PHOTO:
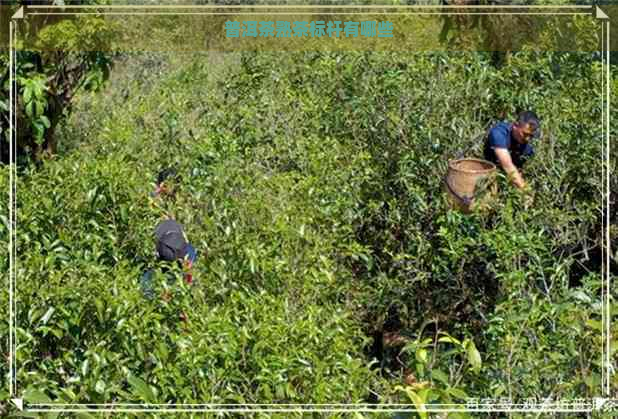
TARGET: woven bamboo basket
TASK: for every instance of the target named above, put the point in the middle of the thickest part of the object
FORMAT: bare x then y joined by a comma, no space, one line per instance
470,182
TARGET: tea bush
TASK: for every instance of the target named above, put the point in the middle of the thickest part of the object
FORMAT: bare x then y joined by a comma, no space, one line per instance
331,267
417,259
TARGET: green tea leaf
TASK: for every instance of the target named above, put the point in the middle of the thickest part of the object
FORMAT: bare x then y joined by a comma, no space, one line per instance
36,396
45,121
474,357
141,388
85,366
27,94
456,392
100,387
439,376
419,403
47,315
421,355
449,339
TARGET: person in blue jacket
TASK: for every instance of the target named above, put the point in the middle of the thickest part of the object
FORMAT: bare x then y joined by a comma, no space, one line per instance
166,179
171,246
508,145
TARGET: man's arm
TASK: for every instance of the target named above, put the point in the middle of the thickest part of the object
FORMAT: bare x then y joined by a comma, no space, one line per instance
504,157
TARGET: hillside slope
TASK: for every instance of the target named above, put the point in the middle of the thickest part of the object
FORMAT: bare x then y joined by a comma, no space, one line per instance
311,186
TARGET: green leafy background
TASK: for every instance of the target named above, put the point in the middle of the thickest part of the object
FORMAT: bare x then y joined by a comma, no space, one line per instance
332,268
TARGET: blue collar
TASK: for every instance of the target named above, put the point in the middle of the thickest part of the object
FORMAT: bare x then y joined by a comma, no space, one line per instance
191,253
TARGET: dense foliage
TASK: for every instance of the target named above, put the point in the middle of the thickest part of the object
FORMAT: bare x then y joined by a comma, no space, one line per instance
63,55
413,260
331,267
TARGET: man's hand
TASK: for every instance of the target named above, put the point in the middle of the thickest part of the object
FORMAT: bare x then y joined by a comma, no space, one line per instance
526,195
528,198
504,157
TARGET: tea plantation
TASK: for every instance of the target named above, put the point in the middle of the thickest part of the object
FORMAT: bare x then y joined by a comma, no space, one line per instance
331,268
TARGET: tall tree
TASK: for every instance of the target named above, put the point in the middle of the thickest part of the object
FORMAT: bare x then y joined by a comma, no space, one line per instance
55,57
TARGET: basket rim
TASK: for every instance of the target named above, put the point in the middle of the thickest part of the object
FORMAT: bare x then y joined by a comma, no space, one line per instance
472,171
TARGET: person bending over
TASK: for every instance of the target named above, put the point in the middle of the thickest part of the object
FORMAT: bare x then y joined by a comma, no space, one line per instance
508,145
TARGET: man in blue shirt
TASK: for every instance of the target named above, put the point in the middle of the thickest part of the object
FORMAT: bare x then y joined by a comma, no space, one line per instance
507,145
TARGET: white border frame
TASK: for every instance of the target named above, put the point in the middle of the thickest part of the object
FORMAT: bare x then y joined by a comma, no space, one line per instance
579,405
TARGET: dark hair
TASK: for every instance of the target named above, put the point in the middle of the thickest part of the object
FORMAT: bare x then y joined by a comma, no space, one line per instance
165,174
528,117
